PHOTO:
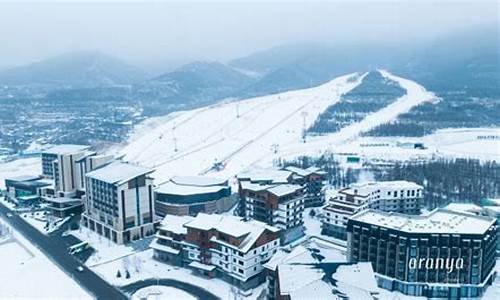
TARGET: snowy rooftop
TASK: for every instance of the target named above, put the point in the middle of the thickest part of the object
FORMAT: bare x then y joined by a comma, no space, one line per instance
269,175
284,189
437,221
62,200
464,208
302,274
175,223
304,172
276,189
247,185
367,188
299,171
201,181
66,149
118,172
233,226
176,189
86,154
24,178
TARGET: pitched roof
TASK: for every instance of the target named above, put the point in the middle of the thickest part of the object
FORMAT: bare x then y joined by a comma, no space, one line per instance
284,189
234,226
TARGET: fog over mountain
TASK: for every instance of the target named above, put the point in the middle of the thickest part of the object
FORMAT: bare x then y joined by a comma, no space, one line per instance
158,37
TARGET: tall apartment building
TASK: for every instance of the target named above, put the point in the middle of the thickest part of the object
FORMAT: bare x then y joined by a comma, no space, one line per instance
396,196
277,205
443,254
59,163
119,202
87,163
215,245
311,179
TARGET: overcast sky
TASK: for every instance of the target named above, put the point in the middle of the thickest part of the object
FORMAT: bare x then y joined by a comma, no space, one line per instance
154,35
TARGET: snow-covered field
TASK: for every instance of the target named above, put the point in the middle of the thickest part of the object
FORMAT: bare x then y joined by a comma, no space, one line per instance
39,221
234,134
256,131
161,292
141,266
465,143
105,249
26,273
25,166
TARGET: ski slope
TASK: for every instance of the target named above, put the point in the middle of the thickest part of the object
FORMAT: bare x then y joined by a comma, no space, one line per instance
250,132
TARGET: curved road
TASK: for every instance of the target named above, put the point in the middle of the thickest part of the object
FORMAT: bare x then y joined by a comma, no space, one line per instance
58,254
194,290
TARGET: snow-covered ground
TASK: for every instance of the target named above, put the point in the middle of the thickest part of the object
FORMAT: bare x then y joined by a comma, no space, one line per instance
464,142
39,221
26,273
141,266
235,134
105,249
161,292
25,166
256,131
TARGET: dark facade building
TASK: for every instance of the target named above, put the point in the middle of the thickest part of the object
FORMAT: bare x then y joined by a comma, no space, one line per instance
190,195
277,205
312,180
443,254
25,189
119,202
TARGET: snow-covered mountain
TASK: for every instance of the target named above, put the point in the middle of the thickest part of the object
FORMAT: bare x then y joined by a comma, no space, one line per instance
197,82
237,135
82,69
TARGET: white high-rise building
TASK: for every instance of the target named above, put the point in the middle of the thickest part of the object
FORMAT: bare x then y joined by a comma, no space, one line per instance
119,202
390,196
59,163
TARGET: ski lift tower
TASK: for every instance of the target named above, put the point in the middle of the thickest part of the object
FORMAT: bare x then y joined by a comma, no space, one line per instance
304,115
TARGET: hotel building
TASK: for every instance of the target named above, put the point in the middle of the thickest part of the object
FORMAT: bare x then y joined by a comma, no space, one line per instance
119,202
443,254
392,196
59,163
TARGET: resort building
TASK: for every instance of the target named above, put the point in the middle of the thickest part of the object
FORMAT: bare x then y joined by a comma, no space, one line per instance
89,162
443,254
25,190
190,195
119,202
311,179
279,205
392,196
59,163
229,247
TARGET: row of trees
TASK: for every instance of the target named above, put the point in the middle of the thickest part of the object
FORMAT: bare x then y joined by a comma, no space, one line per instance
337,175
448,180
444,180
